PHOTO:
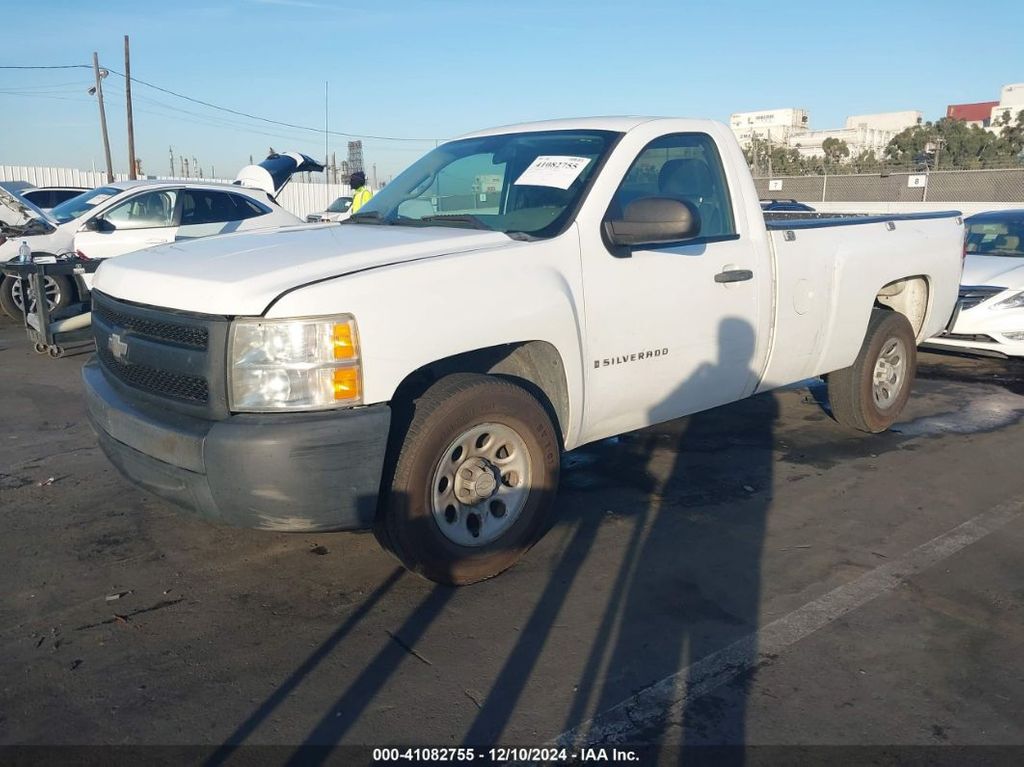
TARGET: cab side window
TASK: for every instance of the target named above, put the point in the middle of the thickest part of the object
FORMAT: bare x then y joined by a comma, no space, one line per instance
144,211
686,167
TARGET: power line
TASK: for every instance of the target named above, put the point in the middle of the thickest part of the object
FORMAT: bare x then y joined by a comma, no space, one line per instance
64,66
229,110
266,119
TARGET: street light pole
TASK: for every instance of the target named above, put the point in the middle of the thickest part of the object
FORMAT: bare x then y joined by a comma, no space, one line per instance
103,114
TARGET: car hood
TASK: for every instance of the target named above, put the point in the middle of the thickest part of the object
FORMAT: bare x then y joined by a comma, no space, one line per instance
242,274
1004,271
274,173
20,218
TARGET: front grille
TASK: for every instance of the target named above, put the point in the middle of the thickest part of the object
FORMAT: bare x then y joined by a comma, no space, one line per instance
163,357
175,333
162,383
972,295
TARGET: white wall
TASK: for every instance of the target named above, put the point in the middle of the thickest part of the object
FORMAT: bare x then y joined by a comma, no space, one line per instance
299,197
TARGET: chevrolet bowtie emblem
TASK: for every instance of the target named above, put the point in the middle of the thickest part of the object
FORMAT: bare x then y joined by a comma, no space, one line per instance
117,347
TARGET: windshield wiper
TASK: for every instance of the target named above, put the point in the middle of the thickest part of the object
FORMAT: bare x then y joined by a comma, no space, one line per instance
456,218
366,217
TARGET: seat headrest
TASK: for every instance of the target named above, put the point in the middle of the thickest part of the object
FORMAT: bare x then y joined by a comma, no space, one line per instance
685,176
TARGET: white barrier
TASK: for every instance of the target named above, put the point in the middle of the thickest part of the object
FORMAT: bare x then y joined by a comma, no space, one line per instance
299,197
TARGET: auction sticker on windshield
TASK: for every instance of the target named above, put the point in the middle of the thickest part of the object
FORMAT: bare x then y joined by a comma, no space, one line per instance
558,171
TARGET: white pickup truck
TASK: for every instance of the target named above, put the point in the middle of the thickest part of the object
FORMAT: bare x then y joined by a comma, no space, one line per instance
514,294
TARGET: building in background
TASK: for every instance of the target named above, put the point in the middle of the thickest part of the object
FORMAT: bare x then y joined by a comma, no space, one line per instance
1011,101
985,114
979,113
790,127
893,122
776,125
355,157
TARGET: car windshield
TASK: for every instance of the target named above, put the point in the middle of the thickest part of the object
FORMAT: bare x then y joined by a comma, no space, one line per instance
996,238
340,205
83,203
525,184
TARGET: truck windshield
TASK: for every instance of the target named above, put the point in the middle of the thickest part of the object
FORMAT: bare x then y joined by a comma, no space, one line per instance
83,203
996,238
517,183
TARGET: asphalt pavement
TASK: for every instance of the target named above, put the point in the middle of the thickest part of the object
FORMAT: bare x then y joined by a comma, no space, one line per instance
754,574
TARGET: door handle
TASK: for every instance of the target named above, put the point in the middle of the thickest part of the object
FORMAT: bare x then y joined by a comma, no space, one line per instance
734,275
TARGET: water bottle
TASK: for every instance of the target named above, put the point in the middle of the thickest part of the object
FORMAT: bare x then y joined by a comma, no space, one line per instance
25,253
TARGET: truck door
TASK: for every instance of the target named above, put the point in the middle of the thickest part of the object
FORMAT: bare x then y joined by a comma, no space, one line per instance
671,329
142,221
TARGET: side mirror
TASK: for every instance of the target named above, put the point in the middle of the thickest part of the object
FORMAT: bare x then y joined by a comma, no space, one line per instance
654,221
98,224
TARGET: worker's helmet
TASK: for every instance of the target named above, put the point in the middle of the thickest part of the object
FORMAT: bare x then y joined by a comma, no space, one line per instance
357,179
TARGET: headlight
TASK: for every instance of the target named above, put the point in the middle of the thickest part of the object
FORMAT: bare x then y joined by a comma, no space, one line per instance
1013,302
301,364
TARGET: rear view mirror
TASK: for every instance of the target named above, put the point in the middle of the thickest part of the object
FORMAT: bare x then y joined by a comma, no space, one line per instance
98,224
654,221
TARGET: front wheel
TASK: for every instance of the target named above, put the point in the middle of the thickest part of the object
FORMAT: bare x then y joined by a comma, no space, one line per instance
871,393
474,480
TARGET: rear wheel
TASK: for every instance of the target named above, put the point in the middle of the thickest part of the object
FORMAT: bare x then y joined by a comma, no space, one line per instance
58,295
474,480
870,394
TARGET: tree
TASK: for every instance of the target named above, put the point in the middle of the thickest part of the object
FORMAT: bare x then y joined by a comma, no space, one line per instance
835,150
947,144
1011,131
866,162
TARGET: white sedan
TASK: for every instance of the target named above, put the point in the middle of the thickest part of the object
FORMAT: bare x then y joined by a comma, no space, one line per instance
989,319
126,216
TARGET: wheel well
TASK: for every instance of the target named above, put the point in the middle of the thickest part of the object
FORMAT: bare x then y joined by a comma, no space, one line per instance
534,365
909,297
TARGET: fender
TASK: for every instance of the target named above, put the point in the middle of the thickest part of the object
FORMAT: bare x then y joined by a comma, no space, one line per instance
414,313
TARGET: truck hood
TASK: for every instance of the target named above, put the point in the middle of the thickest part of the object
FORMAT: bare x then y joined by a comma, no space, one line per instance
242,274
1004,271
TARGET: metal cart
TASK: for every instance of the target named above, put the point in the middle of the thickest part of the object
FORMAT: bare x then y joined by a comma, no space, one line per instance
52,332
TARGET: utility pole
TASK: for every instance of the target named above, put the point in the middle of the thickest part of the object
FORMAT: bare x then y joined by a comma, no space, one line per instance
170,150
184,165
103,115
132,172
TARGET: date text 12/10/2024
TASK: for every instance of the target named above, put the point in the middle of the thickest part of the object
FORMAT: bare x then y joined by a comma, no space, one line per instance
503,754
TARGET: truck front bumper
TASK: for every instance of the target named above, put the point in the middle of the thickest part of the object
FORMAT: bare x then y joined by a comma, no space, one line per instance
294,472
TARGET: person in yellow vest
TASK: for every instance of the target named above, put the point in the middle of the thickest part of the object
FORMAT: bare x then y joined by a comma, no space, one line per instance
361,193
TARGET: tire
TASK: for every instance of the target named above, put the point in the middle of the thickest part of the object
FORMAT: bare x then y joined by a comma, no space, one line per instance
870,394
58,288
475,446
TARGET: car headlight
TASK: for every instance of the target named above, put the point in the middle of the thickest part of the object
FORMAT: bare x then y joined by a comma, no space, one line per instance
311,363
1013,302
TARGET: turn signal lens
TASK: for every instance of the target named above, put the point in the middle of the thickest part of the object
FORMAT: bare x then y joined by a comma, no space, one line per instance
346,384
344,343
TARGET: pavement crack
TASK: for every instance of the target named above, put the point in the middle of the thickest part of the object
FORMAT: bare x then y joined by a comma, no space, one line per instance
409,649
123,618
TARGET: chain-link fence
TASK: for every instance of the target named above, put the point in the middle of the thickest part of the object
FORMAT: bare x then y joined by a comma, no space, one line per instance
1002,186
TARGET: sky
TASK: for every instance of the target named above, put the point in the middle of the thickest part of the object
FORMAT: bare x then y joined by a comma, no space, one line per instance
434,69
